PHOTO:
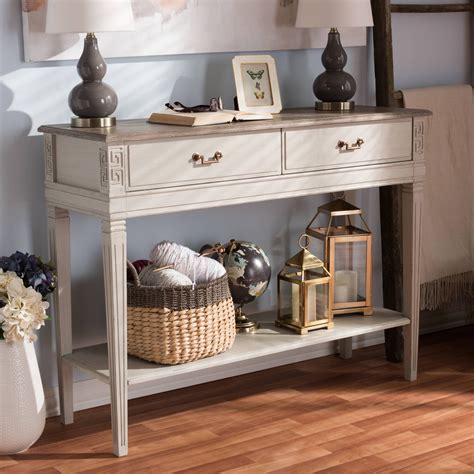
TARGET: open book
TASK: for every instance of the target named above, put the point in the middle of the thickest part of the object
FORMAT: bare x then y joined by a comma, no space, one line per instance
205,118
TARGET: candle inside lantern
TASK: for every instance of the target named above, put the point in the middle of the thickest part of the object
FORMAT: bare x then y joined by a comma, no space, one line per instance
295,302
345,286
311,303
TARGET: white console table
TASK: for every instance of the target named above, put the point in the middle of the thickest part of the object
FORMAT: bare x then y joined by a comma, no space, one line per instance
139,169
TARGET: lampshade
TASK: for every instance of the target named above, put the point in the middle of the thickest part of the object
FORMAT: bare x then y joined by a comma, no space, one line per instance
89,16
334,13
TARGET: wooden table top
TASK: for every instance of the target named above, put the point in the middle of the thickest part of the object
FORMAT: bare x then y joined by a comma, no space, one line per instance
127,131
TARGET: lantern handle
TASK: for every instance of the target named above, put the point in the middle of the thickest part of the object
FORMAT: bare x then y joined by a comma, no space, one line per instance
306,238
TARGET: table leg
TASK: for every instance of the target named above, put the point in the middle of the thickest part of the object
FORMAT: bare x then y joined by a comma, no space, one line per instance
412,200
345,348
114,245
60,255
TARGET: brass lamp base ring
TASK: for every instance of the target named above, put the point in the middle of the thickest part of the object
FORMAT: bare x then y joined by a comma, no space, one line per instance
334,106
95,122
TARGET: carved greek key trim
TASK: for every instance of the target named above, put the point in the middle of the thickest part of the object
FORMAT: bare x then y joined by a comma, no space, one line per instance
49,157
419,137
112,168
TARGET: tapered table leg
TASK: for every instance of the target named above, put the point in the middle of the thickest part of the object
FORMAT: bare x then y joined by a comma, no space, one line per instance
114,244
412,200
60,255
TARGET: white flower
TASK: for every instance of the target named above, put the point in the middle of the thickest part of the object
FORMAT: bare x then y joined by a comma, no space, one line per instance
24,311
6,278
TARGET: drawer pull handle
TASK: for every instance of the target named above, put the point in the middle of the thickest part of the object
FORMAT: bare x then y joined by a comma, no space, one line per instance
344,146
215,159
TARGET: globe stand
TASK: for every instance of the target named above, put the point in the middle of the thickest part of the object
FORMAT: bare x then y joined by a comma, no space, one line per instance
243,324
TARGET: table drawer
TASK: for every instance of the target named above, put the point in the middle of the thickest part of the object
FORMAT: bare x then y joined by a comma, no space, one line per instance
317,148
170,163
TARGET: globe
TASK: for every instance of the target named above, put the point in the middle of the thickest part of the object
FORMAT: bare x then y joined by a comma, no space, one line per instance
248,269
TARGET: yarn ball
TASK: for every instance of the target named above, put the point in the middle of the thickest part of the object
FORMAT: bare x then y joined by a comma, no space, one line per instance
217,256
187,261
168,277
139,266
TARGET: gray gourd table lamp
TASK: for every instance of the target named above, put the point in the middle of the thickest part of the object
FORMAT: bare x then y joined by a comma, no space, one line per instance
93,101
334,87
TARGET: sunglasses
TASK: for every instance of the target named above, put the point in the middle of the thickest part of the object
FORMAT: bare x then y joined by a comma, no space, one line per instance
215,104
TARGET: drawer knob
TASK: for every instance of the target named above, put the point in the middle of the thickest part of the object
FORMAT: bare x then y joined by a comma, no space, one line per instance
218,155
344,146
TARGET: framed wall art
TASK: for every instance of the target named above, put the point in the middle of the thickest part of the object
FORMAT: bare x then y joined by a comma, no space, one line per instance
169,27
256,82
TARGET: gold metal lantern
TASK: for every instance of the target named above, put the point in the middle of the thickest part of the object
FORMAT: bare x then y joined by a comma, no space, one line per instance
305,281
348,257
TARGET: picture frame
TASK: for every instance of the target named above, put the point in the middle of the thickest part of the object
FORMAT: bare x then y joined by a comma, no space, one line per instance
256,82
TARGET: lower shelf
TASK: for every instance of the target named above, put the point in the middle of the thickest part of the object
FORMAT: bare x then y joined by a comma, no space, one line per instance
269,347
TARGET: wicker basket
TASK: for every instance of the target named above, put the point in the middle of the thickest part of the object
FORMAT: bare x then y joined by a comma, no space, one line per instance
181,324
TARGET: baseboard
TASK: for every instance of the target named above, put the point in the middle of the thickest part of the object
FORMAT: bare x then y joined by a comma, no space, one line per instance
439,323
93,393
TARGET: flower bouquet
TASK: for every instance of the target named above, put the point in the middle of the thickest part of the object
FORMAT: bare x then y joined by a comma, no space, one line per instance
25,281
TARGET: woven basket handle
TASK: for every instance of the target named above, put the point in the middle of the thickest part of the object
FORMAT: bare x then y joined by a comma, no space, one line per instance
133,271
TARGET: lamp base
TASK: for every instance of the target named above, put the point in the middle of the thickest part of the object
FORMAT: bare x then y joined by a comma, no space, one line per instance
96,122
334,106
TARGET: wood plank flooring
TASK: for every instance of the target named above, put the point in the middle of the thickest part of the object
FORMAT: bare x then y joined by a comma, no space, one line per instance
325,415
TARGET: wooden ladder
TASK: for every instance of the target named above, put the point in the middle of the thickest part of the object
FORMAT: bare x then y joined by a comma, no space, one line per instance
390,196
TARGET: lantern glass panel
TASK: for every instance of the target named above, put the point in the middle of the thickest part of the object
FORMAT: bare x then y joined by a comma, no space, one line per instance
311,302
350,271
322,302
317,296
295,302
319,244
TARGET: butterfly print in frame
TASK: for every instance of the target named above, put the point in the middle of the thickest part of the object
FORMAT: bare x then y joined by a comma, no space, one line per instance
255,75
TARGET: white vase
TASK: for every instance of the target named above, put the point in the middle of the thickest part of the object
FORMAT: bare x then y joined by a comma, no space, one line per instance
22,405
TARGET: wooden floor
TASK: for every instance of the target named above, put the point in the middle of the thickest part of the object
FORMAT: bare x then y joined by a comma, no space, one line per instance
324,415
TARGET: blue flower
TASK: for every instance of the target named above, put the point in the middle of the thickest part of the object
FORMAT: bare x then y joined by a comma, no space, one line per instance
32,270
